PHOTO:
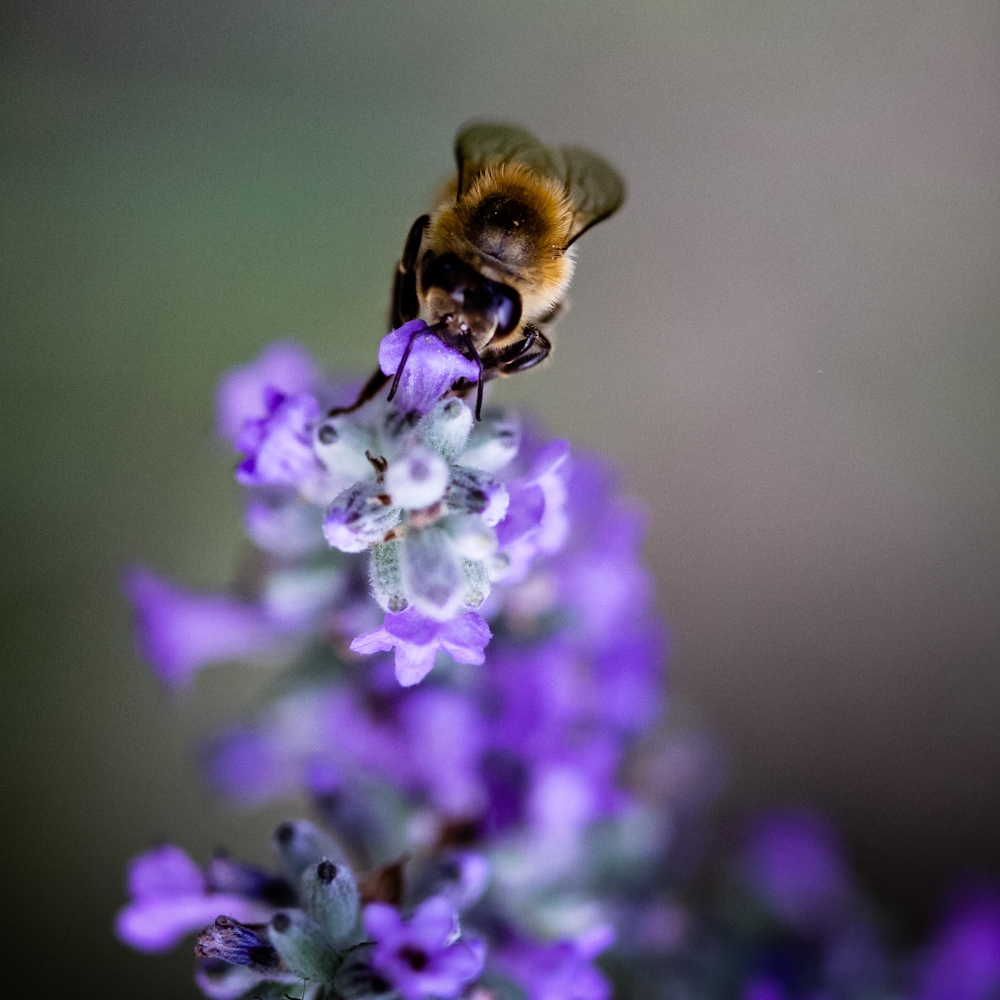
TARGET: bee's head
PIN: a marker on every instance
(455, 293)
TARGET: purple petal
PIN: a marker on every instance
(164, 872)
(417, 640)
(465, 637)
(431, 368)
(179, 631)
(382, 921)
(524, 512)
(242, 394)
(158, 924)
(550, 458)
(414, 663)
(433, 922)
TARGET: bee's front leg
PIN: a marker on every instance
(524, 354)
(404, 304)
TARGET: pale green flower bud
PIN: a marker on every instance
(445, 429)
(330, 895)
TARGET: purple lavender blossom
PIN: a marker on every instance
(422, 957)
(431, 367)
(794, 860)
(179, 631)
(305, 732)
(536, 522)
(560, 971)
(963, 963)
(764, 989)
(417, 640)
(172, 897)
(244, 393)
(278, 445)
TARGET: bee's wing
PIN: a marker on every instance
(594, 188)
(484, 144)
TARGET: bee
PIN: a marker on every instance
(488, 268)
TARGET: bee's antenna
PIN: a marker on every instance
(406, 354)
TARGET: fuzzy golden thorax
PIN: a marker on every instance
(512, 226)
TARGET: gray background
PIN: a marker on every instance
(788, 340)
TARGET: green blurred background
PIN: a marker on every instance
(788, 340)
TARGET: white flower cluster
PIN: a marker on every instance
(422, 498)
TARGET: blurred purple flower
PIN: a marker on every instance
(561, 971)
(794, 860)
(171, 897)
(764, 989)
(179, 631)
(431, 367)
(536, 522)
(417, 640)
(422, 957)
(963, 963)
(444, 733)
(278, 445)
(245, 392)
(287, 529)
(328, 730)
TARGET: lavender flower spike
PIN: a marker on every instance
(431, 366)
(417, 640)
(422, 957)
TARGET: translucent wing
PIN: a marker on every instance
(593, 187)
(483, 144)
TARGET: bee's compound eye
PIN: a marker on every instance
(507, 305)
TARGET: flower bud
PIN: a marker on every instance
(417, 480)
(301, 845)
(330, 895)
(445, 429)
(303, 946)
(360, 516)
(432, 573)
(494, 441)
(387, 577)
(475, 492)
(235, 943)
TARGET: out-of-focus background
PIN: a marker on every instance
(788, 340)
